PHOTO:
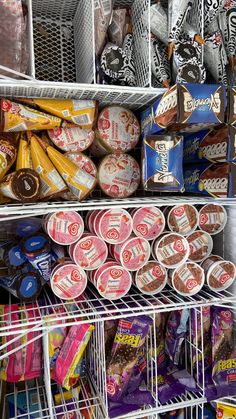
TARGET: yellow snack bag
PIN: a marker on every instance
(51, 181)
(18, 117)
(24, 160)
(79, 181)
(225, 411)
(80, 112)
(67, 395)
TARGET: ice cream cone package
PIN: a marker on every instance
(78, 112)
(8, 153)
(24, 160)
(17, 117)
(22, 185)
(51, 181)
(79, 181)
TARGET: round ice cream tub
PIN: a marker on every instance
(68, 281)
(114, 282)
(71, 138)
(118, 129)
(183, 219)
(64, 227)
(90, 219)
(133, 254)
(187, 279)
(221, 275)
(119, 175)
(93, 275)
(148, 222)
(114, 225)
(206, 263)
(151, 278)
(200, 246)
(90, 252)
(212, 218)
(96, 221)
(171, 250)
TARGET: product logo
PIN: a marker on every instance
(224, 278)
(112, 234)
(193, 178)
(203, 219)
(126, 255)
(6, 105)
(116, 273)
(157, 271)
(73, 229)
(226, 314)
(111, 388)
(142, 229)
(212, 102)
(56, 132)
(179, 246)
(76, 275)
(191, 283)
(86, 245)
(179, 211)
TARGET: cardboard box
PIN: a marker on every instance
(216, 180)
(213, 145)
(184, 107)
(232, 105)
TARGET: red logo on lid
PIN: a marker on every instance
(126, 255)
(73, 229)
(142, 229)
(157, 271)
(191, 283)
(76, 275)
(6, 105)
(104, 124)
(111, 388)
(116, 273)
(179, 246)
(224, 278)
(86, 245)
(178, 211)
(56, 132)
(226, 314)
(113, 234)
(203, 219)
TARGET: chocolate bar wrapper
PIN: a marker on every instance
(110, 327)
(185, 106)
(127, 347)
(215, 145)
(158, 22)
(162, 163)
(102, 16)
(129, 66)
(223, 350)
(215, 57)
(232, 105)
(168, 387)
(178, 12)
(176, 330)
(211, 11)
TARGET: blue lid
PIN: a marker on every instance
(27, 227)
(29, 286)
(16, 257)
(35, 243)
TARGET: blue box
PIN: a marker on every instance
(21, 408)
(216, 180)
(162, 163)
(184, 106)
(214, 145)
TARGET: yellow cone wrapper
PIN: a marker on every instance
(22, 185)
(18, 117)
(24, 160)
(80, 112)
(79, 181)
(43, 140)
(51, 181)
(8, 153)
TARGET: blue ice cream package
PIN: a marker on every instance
(27, 406)
(214, 145)
(184, 107)
(37, 250)
(162, 163)
(13, 256)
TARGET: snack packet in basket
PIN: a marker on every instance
(176, 329)
(127, 348)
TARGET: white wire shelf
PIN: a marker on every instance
(12, 211)
(94, 308)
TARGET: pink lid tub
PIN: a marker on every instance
(200, 245)
(64, 227)
(133, 254)
(114, 225)
(183, 219)
(148, 223)
(151, 278)
(171, 250)
(114, 282)
(221, 275)
(187, 279)
(90, 252)
(68, 281)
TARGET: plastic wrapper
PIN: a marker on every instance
(13, 41)
(158, 22)
(215, 57)
(102, 16)
(178, 11)
(71, 353)
(37, 248)
(227, 25)
(127, 348)
(211, 11)
(8, 153)
(56, 338)
(223, 351)
(176, 330)
(22, 185)
(225, 411)
(24, 160)
(161, 163)
(117, 27)
(158, 65)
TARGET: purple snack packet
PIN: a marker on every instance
(144, 397)
(120, 409)
(126, 350)
(223, 351)
(139, 373)
(168, 387)
(110, 327)
(175, 333)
